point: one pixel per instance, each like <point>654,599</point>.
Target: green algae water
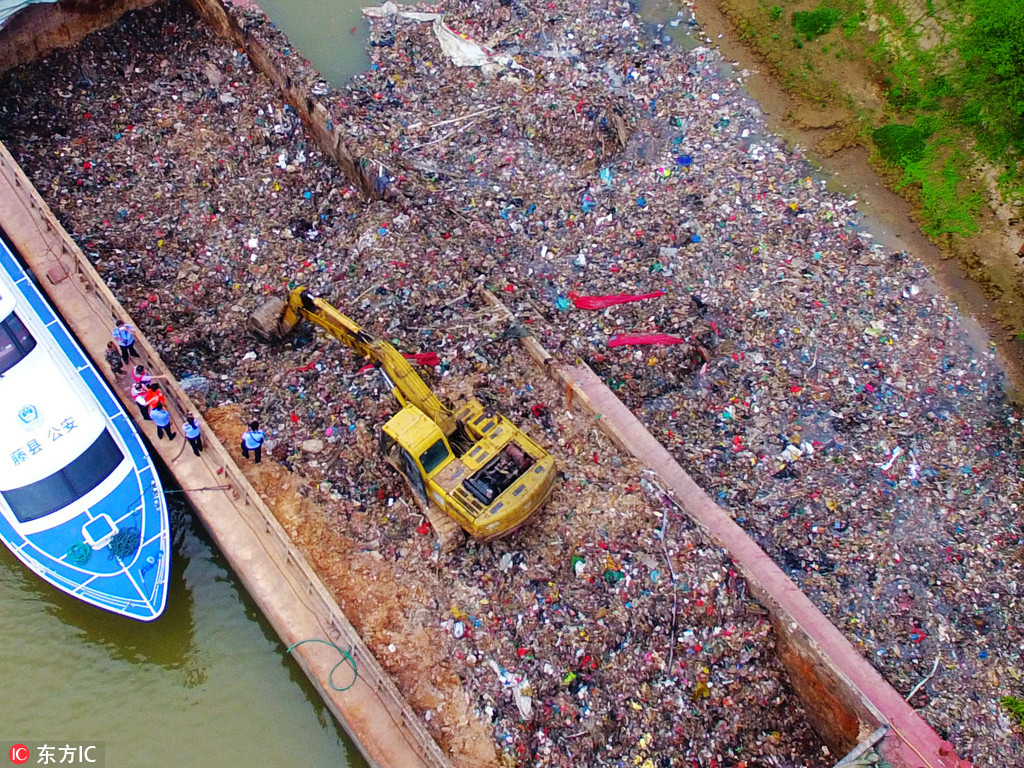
<point>332,34</point>
<point>208,683</point>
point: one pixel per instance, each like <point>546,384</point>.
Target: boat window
<point>63,487</point>
<point>433,456</point>
<point>15,342</point>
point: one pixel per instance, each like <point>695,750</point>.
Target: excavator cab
<point>417,448</point>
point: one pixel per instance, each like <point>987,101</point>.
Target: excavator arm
<point>405,383</point>
<point>473,467</point>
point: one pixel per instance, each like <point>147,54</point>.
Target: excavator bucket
<point>267,321</point>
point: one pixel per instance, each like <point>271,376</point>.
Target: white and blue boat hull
<point>80,500</point>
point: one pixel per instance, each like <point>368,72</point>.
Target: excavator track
<point>449,535</point>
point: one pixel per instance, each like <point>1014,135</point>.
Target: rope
<point>78,553</point>
<point>125,543</point>
<point>345,656</point>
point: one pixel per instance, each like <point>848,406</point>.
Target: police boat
<point>80,501</point>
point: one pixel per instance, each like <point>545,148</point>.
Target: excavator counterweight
<point>485,473</point>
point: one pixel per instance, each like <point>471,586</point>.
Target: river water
<point>332,34</point>
<point>206,684</point>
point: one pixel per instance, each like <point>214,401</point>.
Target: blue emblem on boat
<point>29,417</point>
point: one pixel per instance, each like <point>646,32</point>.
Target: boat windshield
<point>63,487</point>
<point>15,342</point>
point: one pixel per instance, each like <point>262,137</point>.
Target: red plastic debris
<point>424,358</point>
<point>601,302</point>
<point>628,340</point>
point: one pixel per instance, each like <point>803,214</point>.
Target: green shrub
<point>993,82</point>
<point>899,144</point>
<point>775,13</point>
<point>948,205</point>
<point>1014,706</point>
<point>812,24</point>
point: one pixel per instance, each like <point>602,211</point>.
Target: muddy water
<point>206,684</point>
<point>330,33</point>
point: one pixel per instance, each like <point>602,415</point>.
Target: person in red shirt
<point>154,396</point>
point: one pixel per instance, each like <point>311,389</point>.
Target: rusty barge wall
<point>225,22</point>
<point>274,571</point>
<point>39,29</point>
<point>848,702</point>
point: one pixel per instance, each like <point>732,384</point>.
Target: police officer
<point>125,338</point>
<point>193,434</point>
<point>252,440</point>
<point>162,419</point>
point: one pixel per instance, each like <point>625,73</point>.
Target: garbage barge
<point>861,729</point>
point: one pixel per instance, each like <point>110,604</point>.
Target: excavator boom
<point>406,384</point>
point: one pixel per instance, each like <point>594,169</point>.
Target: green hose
<point>345,656</point>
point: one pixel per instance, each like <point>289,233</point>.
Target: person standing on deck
<point>193,434</point>
<point>125,338</point>
<point>154,396</point>
<point>113,355</point>
<point>162,419</point>
<point>139,395</point>
<point>252,440</point>
<point>139,375</point>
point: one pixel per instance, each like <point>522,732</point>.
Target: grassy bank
<point>936,91</point>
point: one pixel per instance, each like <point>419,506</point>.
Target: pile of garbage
<point>622,197</point>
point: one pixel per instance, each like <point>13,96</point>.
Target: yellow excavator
<point>474,465</point>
